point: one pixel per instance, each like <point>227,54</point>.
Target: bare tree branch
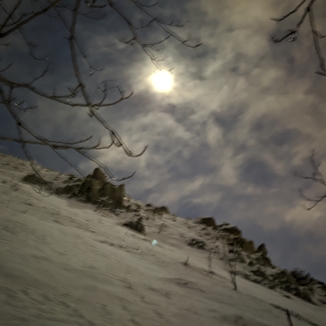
<point>316,177</point>
<point>147,47</point>
<point>292,34</point>
<point>15,19</point>
<point>25,21</point>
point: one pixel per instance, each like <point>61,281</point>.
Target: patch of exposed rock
<point>94,189</point>
<point>208,221</point>
<point>136,225</point>
<point>197,243</point>
<point>257,266</point>
<point>36,180</point>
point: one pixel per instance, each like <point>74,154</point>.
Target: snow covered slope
<point>63,262</point>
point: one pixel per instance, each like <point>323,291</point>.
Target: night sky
<point>243,114</point>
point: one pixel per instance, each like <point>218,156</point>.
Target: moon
<point>162,81</point>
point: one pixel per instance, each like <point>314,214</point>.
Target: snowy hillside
<point>64,262</point>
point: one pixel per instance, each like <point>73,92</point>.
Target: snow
<point>63,262</point>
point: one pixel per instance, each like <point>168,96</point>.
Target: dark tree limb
<point>316,176</point>
<point>21,23</point>
<point>15,17</point>
<point>292,34</point>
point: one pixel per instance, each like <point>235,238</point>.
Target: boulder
<point>259,273</point>
<point>96,186</point>
<point>72,179</point>
<point>264,261</point>
<point>36,180</point>
<point>248,246</point>
<point>232,230</point>
<point>133,207</point>
<point>161,210</point>
<point>99,175</point>
<point>70,190</point>
<point>208,221</point>
<point>114,193</point>
<point>197,243</point>
<point>262,249</point>
<point>251,263</point>
<point>137,225</point>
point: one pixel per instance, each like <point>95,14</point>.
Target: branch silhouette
<point>292,34</point>
<point>16,17</point>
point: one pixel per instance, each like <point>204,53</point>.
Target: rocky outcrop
<point>248,246</point>
<point>136,225</point>
<point>230,230</point>
<point>69,190</point>
<point>161,210</point>
<point>133,206</point>
<point>208,221</point>
<point>36,180</point>
<point>95,189</point>
<point>114,194</point>
<point>262,249</point>
<point>264,261</point>
<point>197,243</point>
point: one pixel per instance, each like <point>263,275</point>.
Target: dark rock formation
<point>262,249</point>
<point>197,243</point>
<point>137,225</point>
<point>248,246</point>
<point>36,180</point>
<point>232,230</point>
<point>263,261</point>
<point>260,273</point>
<point>161,210</point>
<point>208,221</point>
<point>70,190</point>
<point>95,187</point>
<point>133,207</point>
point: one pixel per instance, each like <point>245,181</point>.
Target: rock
<point>301,277</point>
<point>251,263</point>
<point>282,276</point>
<point>304,295</point>
<point>200,244</point>
<point>36,180</point>
<point>71,190</point>
<point>93,195</point>
<point>115,193</point>
<point>133,207</point>
<point>264,261</point>
<point>99,175</point>
<point>239,258</point>
<point>262,249</point>
<point>233,230</point>
<point>259,273</point>
<point>137,225</point>
<point>248,246</point>
<point>107,190</point>
<point>95,187</point>
<point>161,210</point>
<point>208,221</point>
<point>72,179</point>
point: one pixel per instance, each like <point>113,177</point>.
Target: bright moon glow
<point>162,81</point>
